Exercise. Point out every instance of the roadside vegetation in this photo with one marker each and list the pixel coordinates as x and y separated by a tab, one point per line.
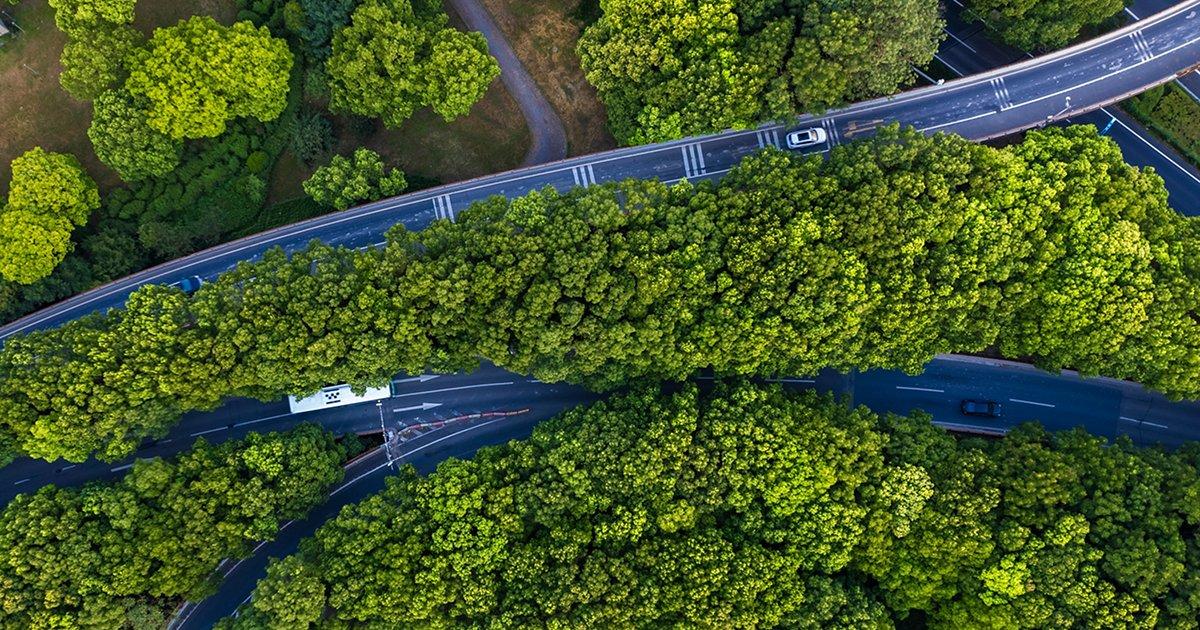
1036	26
123	554
668	69
1172	114
214	124
892	250
751	507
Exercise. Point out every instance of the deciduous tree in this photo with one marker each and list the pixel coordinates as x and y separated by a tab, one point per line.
198	75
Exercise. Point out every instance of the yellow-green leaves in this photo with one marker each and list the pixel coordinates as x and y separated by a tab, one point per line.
198	75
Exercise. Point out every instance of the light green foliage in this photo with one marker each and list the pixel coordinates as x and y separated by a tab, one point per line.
669	68
49	196
85	558
52	184
94	61
198	75
749	507
78	18
885	254
123	138
347	181
392	60
31	244
1042	25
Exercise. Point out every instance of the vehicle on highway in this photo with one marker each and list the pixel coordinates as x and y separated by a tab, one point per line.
188	285
980	408
810	137
337	396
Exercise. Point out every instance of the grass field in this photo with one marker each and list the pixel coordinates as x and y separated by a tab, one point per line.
544	33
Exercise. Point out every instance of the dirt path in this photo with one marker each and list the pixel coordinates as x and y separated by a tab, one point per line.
549	138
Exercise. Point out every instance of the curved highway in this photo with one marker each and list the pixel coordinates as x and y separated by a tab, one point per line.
1031	93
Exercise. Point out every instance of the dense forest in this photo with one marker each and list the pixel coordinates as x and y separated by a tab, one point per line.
122	554
751	507
888	252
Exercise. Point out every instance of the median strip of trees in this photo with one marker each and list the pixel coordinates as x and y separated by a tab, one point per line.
887	253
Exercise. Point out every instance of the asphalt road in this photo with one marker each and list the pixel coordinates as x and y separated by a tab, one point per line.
968	50
548	137
1104	406
981	106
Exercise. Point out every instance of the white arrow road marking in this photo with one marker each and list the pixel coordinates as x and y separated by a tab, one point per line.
422	378
420	407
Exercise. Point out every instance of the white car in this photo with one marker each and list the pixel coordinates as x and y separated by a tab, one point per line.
806	138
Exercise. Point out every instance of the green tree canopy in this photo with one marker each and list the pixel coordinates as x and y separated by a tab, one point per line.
198	75
1042	25
49	196
78	18
395	58
669	68
890	251
92	557
752	507
346	181
94	61
124	140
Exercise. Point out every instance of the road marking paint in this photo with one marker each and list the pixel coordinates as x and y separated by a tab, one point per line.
923	75
1132	14
575	176
411	453
249	422
1055	94
120	468
68	467
1186	89
957	39
687	163
591	173
422	378
1139	44
1149	424
1001	93
454	389
1152	147
17	483
761	138
922	389
947	64
420	407
790	380
198	433
774	138
1030	402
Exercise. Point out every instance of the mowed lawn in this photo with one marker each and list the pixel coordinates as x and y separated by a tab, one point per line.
37	112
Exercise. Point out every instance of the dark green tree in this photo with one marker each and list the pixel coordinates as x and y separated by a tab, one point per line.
1042	25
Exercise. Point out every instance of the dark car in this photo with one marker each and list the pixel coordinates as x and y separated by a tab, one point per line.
981	408
189	285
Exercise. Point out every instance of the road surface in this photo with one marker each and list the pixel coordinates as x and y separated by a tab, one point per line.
968	49
548	137
994	103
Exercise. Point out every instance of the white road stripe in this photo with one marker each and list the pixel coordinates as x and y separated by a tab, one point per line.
762	143
947	64
449	207
700	156
250	422
1132	14
1030	402
1149	424
453	389
687	162
120	468
775	138
198	433
591	173
575	175
922	389
956	38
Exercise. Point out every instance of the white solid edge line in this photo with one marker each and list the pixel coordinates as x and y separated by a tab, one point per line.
412	452
1151	145
1030	402
454	389
922	389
